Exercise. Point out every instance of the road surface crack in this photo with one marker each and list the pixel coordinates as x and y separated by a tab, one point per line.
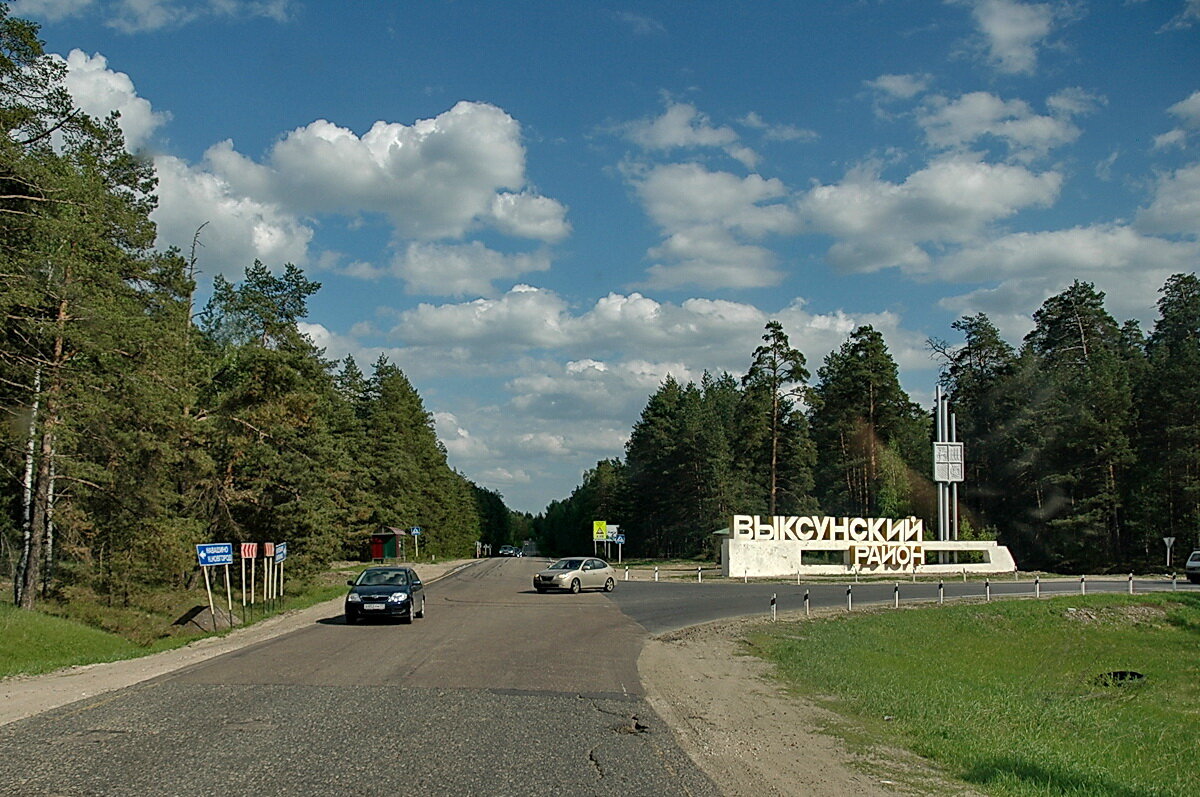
596	763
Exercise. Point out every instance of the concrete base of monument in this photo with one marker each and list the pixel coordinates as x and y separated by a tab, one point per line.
786	558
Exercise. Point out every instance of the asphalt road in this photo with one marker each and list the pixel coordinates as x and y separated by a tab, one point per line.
497	690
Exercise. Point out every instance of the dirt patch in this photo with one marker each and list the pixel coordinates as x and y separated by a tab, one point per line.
751	737
1119	615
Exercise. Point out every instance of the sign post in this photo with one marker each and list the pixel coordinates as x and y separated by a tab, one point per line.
213	554
416	535
599	533
280	556
268	552
613	534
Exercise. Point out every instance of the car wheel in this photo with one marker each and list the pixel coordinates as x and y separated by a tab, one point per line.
575	585
610	585
422	612
407	618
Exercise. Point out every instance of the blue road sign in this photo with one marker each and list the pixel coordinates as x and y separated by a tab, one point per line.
215	553
280	552
416	531
619	539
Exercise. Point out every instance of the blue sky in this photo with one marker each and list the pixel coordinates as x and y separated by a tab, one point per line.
540	209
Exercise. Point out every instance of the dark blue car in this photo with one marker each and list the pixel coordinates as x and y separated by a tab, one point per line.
385	592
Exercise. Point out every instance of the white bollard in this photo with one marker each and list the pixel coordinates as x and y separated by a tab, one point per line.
656	573
849	597
941	592
772	607
896	595
807	610
987	589
1083	585
626	572
1037	586
1131	583
699	577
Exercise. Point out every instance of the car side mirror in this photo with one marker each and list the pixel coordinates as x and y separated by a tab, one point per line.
350	583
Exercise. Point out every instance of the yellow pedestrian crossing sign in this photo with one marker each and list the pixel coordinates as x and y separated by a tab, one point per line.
599	530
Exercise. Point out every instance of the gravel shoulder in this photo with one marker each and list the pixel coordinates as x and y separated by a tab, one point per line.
753	738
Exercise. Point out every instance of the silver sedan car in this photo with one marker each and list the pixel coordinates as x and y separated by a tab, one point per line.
575	574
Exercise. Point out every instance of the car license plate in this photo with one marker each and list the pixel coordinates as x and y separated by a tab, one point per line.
372	605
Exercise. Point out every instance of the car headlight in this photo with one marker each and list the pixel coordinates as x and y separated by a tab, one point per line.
399	597
354	597
561	577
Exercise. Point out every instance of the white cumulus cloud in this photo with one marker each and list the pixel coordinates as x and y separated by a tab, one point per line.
1013	32
881	224
461	269
99	91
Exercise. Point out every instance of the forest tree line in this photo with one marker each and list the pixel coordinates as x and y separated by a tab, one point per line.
138	424
1082	444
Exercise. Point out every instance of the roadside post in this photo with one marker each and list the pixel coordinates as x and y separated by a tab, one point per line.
699	577
613	534
656	573
280	556
1083	585
249	551
211	555
987	589
941	592
228	589
599	534
896	595
416	535
773	607
1131	583
849	597
807	607
268	552
1037	586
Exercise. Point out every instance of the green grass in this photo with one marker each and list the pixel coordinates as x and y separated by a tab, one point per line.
1009	696
37	643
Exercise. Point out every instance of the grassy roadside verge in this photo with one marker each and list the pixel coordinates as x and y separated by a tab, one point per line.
1011	696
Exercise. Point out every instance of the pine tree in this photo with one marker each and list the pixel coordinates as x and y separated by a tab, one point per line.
977	379
1076	429
1169	439
861	418
774	431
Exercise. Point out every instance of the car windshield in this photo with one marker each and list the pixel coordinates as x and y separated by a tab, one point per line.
1195	557
567	564
377	578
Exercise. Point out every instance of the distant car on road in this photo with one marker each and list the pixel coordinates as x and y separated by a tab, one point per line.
385	592
508	550
1192	568
575	574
